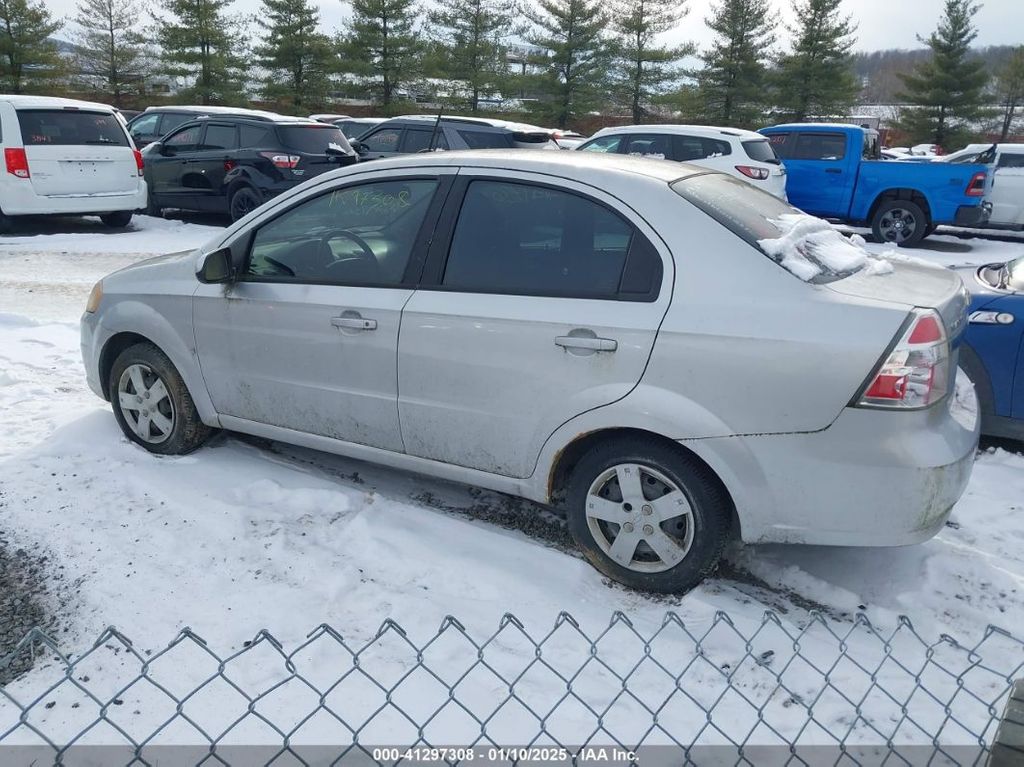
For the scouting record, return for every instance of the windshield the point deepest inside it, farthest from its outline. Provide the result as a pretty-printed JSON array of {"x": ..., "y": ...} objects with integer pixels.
[
  {"x": 313, "y": 139},
  {"x": 70, "y": 127},
  {"x": 807, "y": 246}
]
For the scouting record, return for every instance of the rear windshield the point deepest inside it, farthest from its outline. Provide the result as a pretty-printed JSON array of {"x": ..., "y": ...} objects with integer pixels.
[
  {"x": 70, "y": 127},
  {"x": 760, "y": 150},
  {"x": 808, "y": 247},
  {"x": 312, "y": 139},
  {"x": 531, "y": 137}
]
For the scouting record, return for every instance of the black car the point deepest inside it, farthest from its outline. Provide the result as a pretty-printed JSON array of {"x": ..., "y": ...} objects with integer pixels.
[
  {"x": 230, "y": 164},
  {"x": 148, "y": 126}
]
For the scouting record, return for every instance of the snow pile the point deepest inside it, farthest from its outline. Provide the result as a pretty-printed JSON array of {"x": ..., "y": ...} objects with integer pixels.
[
  {"x": 810, "y": 247},
  {"x": 86, "y": 234}
]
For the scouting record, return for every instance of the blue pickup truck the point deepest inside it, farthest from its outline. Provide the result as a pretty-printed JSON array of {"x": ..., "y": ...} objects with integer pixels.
[{"x": 834, "y": 171}]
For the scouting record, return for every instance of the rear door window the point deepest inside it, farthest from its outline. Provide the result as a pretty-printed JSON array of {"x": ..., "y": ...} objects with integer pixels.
[
  {"x": 820, "y": 146},
  {"x": 421, "y": 140},
  {"x": 523, "y": 239},
  {"x": 658, "y": 146},
  {"x": 70, "y": 127},
  {"x": 220, "y": 137},
  {"x": 172, "y": 120}
]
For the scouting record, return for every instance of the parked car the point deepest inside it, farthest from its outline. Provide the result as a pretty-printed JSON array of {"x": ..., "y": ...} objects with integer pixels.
[
  {"x": 564, "y": 337},
  {"x": 993, "y": 351},
  {"x": 740, "y": 153},
  {"x": 233, "y": 164},
  {"x": 422, "y": 133},
  {"x": 155, "y": 122},
  {"x": 834, "y": 171},
  {"x": 354, "y": 127},
  {"x": 1006, "y": 187},
  {"x": 67, "y": 157}
]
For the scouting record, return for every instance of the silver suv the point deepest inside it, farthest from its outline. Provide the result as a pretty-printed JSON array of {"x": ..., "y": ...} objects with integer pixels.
[{"x": 669, "y": 354}]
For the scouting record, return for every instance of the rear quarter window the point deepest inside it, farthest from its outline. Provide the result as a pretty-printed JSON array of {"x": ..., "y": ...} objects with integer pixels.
[
  {"x": 476, "y": 139},
  {"x": 67, "y": 127},
  {"x": 760, "y": 150},
  {"x": 312, "y": 139}
]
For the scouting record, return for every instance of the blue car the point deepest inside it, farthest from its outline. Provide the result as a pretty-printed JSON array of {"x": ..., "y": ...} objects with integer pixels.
[{"x": 993, "y": 352}]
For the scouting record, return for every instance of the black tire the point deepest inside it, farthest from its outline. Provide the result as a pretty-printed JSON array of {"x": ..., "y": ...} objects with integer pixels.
[
  {"x": 118, "y": 220},
  {"x": 6, "y": 224},
  {"x": 710, "y": 515},
  {"x": 152, "y": 209},
  {"x": 900, "y": 222},
  {"x": 243, "y": 201},
  {"x": 186, "y": 432}
]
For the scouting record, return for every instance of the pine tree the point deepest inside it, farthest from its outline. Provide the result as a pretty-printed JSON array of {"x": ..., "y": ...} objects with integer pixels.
[
  {"x": 109, "y": 51},
  {"x": 28, "y": 58},
  {"x": 645, "y": 68},
  {"x": 816, "y": 76},
  {"x": 383, "y": 45},
  {"x": 200, "y": 42},
  {"x": 947, "y": 91},
  {"x": 298, "y": 58},
  {"x": 1010, "y": 88},
  {"x": 732, "y": 81},
  {"x": 575, "y": 71},
  {"x": 470, "y": 36}
]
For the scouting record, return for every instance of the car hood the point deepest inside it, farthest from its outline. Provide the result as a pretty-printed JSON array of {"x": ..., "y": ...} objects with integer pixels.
[
  {"x": 172, "y": 273},
  {"x": 910, "y": 284}
]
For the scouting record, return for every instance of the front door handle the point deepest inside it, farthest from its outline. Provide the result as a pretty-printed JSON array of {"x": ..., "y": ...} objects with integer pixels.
[
  {"x": 587, "y": 342},
  {"x": 354, "y": 323},
  {"x": 833, "y": 170}
]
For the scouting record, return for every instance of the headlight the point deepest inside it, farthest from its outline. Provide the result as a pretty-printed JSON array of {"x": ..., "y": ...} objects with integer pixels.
[{"x": 94, "y": 298}]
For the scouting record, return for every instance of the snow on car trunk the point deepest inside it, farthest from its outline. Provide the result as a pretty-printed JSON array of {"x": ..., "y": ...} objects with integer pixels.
[{"x": 810, "y": 247}]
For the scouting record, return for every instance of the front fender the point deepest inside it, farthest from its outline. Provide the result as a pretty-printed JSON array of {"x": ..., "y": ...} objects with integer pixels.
[{"x": 166, "y": 321}]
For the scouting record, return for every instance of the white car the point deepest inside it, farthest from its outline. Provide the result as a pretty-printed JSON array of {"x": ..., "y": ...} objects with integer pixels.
[
  {"x": 1006, "y": 181},
  {"x": 66, "y": 157},
  {"x": 740, "y": 153}
]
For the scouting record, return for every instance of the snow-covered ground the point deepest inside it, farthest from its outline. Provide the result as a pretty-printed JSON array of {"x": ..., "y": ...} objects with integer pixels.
[{"x": 244, "y": 535}]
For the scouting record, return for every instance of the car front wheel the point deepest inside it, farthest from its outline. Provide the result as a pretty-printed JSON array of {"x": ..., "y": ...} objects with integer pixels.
[
  {"x": 648, "y": 516},
  {"x": 151, "y": 403}
]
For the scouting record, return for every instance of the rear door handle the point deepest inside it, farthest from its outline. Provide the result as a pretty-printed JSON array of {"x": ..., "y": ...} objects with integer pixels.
[
  {"x": 833, "y": 170},
  {"x": 586, "y": 342},
  {"x": 354, "y": 323}
]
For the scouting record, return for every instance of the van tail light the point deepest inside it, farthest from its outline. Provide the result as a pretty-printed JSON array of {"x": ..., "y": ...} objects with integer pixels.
[
  {"x": 976, "y": 187},
  {"x": 139, "y": 162},
  {"x": 17, "y": 162},
  {"x": 751, "y": 171},
  {"x": 283, "y": 161},
  {"x": 915, "y": 373}
]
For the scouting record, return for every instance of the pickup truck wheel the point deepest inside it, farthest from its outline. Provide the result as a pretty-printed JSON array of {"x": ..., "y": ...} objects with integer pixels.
[
  {"x": 900, "y": 222},
  {"x": 647, "y": 516}
]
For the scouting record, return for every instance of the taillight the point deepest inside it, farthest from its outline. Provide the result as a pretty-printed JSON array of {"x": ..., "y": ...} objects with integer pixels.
[
  {"x": 139, "y": 162},
  {"x": 284, "y": 161},
  {"x": 17, "y": 162},
  {"x": 976, "y": 188},
  {"x": 751, "y": 171},
  {"x": 916, "y": 372}
]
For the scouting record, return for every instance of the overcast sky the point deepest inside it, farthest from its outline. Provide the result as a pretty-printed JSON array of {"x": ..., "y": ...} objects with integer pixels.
[{"x": 881, "y": 23}]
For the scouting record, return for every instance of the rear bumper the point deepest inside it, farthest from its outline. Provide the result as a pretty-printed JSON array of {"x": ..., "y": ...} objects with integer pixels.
[
  {"x": 972, "y": 215},
  {"x": 24, "y": 202},
  {"x": 873, "y": 478}
]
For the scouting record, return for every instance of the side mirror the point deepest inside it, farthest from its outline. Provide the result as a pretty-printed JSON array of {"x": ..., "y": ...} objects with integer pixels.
[
  {"x": 335, "y": 152},
  {"x": 161, "y": 148},
  {"x": 217, "y": 268},
  {"x": 359, "y": 146}
]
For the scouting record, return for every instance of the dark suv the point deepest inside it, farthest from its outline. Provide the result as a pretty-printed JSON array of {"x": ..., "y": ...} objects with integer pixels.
[
  {"x": 232, "y": 164},
  {"x": 422, "y": 133}
]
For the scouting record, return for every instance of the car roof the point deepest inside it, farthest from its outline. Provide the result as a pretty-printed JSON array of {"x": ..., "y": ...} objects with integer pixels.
[
  {"x": 709, "y": 131},
  {"x": 263, "y": 118},
  {"x": 815, "y": 126},
  {"x": 43, "y": 102},
  {"x": 214, "y": 110},
  {"x": 577, "y": 165}
]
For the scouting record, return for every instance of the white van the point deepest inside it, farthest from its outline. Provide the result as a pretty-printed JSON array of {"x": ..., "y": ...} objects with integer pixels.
[{"x": 66, "y": 157}]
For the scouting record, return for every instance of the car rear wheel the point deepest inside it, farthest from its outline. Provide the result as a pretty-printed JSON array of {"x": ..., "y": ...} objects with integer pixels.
[
  {"x": 151, "y": 403},
  {"x": 648, "y": 516},
  {"x": 900, "y": 222},
  {"x": 118, "y": 220},
  {"x": 243, "y": 202},
  {"x": 6, "y": 224}
]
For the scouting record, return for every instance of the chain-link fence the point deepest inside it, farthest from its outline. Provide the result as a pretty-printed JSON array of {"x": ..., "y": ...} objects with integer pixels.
[{"x": 701, "y": 691}]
